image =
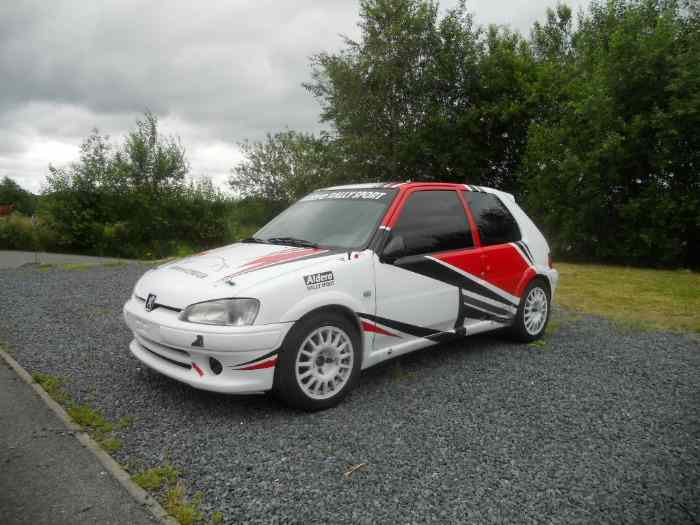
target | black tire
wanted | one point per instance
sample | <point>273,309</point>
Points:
<point>287,387</point>
<point>518,330</point>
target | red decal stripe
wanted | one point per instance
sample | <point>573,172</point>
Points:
<point>369,327</point>
<point>197,369</point>
<point>264,364</point>
<point>281,256</point>
<point>276,258</point>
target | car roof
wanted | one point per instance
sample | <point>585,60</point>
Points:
<point>405,186</point>
<point>409,185</point>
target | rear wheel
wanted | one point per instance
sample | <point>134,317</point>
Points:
<point>533,312</point>
<point>319,362</point>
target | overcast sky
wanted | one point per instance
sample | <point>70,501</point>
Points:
<point>215,72</point>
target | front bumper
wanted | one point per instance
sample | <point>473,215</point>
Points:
<point>184,351</point>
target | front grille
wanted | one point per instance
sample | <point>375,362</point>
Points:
<point>171,361</point>
<point>161,348</point>
<point>159,305</point>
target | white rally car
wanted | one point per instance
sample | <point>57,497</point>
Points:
<point>343,279</point>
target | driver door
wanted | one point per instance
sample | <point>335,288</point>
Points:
<point>416,294</point>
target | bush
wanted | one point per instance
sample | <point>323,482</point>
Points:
<point>18,233</point>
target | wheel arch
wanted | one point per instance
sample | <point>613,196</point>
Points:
<point>342,309</point>
<point>529,276</point>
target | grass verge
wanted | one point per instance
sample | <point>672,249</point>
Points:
<point>165,481</point>
<point>45,267</point>
<point>89,419</point>
<point>643,298</point>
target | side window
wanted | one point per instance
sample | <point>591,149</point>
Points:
<point>433,221</point>
<point>496,224</point>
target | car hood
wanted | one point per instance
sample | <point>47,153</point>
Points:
<point>223,272</point>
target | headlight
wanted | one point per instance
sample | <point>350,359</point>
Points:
<point>230,312</point>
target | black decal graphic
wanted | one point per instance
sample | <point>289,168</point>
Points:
<point>406,328</point>
<point>476,313</point>
<point>434,270</point>
<point>416,331</point>
<point>319,280</point>
<point>525,251</point>
<point>262,358</point>
<point>199,341</point>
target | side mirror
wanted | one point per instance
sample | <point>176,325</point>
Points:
<point>395,248</point>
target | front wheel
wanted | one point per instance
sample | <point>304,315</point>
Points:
<point>319,362</point>
<point>533,312</point>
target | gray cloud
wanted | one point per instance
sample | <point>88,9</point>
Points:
<point>216,72</point>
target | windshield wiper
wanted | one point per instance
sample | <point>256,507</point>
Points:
<point>292,241</point>
<point>254,239</point>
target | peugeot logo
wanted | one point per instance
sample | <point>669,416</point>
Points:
<point>150,302</point>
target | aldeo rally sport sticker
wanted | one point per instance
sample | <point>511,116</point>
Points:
<point>365,195</point>
<point>319,280</point>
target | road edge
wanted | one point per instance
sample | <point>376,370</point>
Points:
<point>142,497</point>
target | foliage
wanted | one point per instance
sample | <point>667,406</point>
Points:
<point>612,160</point>
<point>12,193</point>
<point>166,481</point>
<point>593,125</point>
<point>52,385</point>
<point>17,232</point>
<point>155,478</point>
<point>284,167</point>
<point>133,200</point>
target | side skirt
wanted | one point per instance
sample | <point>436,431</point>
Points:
<point>406,347</point>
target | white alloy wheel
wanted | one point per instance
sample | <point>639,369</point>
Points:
<point>324,362</point>
<point>535,313</point>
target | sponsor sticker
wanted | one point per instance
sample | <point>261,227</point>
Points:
<point>319,280</point>
<point>354,194</point>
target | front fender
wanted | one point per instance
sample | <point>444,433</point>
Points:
<point>320,300</point>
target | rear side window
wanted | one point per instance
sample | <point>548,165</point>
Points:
<point>496,224</point>
<point>433,221</point>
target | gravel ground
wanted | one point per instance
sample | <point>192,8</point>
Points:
<point>597,425</point>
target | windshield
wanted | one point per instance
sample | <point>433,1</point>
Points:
<point>331,218</point>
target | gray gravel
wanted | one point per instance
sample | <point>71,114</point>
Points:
<point>597,425</point>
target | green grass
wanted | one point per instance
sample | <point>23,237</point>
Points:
<point>89,419</point>
<point>96,424</point>
<point>642,298</point>
<point>44,267</point>
<point>166,481</point>
<point>52,385</point>
<point>156,478</point>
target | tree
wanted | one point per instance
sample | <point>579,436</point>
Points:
<point>133,199</point>
<point>592,123</point>
<point>150,161</point>
<point>612,159</point>
<point>385,96</point>
<point>13,193</point>
<point>284,166</point>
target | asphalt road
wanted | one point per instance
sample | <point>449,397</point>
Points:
<point>46,475</point>
<point>597,425</point>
